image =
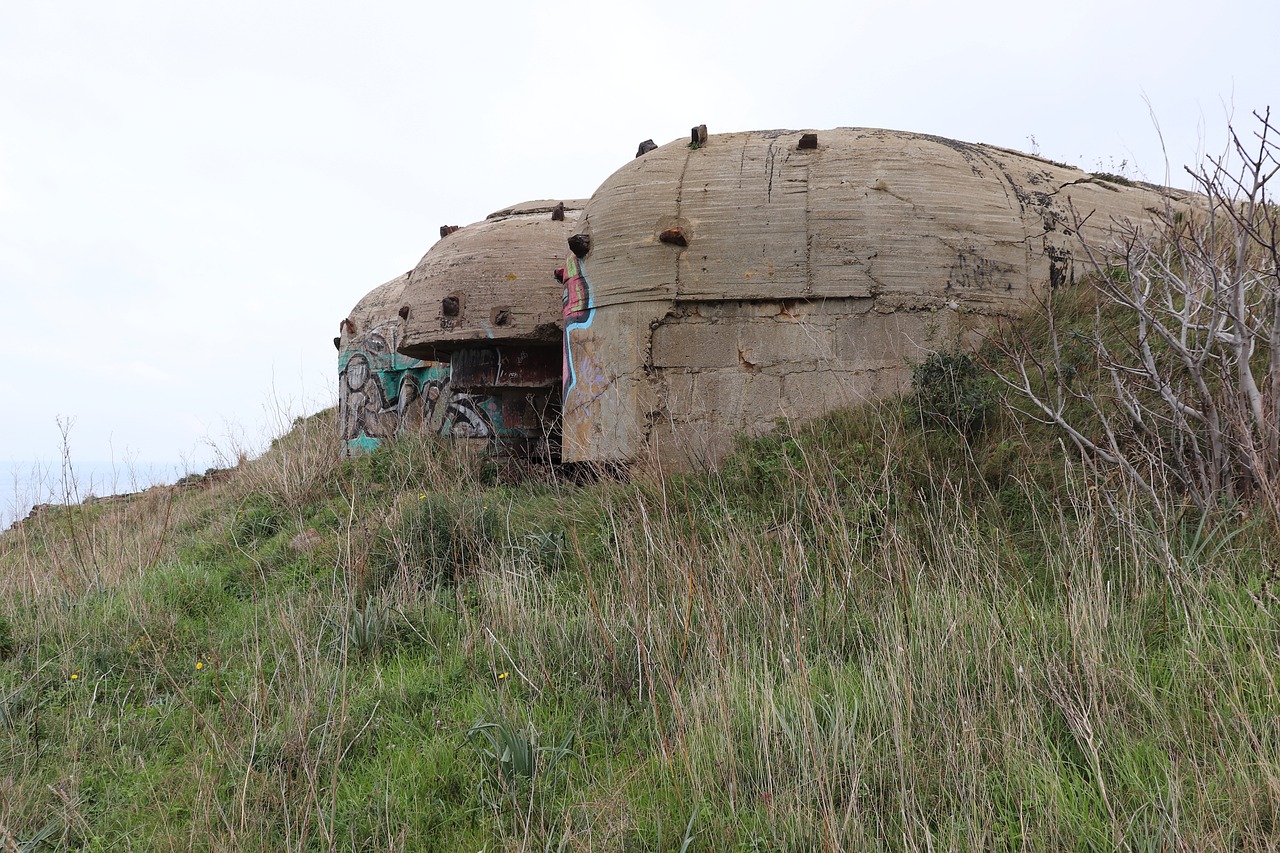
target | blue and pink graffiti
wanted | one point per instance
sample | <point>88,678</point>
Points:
<point>578,311</point>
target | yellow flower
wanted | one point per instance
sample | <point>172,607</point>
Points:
<point>199,664</point>
<point>75,676</point>
<point>422,497</point>
<point>503,675</point>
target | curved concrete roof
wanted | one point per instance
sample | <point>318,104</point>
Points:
<point>866,212</point>
<point>376,307</point>
<point>491,281</point>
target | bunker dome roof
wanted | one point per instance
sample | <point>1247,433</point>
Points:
<point>490,281</point>
<point>378,306</point>
<point>854,212</point>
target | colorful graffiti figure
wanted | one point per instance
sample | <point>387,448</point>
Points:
<point>578,311</point>
<point>382,394</point>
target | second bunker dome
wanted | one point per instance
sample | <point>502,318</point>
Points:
<point>484,300</point>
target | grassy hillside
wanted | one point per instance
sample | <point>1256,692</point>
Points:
<point>865,633</point>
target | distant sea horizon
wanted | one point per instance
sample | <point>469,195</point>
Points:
<point>27,483</point>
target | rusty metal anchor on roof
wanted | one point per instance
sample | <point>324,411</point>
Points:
<point>674,236</point>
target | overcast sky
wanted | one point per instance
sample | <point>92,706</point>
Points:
<point>192,196</point>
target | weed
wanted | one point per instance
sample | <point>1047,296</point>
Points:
<point>8,643</point>
<point>511,756</point>
<point>518,775</point>
<point>365,629</point>
<point>950,390</point>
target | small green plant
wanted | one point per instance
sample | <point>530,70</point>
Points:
<point>686,841</point>
<point>512,760</point>
<point>256,521</point>
<point>439,536</point>
<point>363,630</point>
<point>949,389</point>
<point>40,839</point>
<point>366,629</point>
<point>547,550</point>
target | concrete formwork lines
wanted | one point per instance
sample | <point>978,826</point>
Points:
<point>810,156</point>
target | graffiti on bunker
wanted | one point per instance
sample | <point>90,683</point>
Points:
<point>382,394</point>
<point>584,379</point>
<point>578,311</point>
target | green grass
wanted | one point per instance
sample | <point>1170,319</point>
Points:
<point>871,632</point>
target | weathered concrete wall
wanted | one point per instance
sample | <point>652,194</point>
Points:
<point>722,368</point>
<point>750,278</point>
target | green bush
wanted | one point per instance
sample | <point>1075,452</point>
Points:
<point>257,520</point>
<point>8,645</point>
<point>950,390</point>
<point>442,536</point>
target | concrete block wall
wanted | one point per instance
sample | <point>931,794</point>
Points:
<point>737,367</point>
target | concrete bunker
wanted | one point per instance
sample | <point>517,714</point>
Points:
<point>468,342</point>
<point>779,274</point>
<point>715,285</point>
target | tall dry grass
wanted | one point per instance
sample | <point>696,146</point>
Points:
<point>854,635</point>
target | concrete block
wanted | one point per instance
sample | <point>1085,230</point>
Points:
<point>705,409</point>
<point>807,343</point>
<point>722,394</point>
<point>676,390</point>
<point>694,344</point>
<point>803,396</point>
<point>893,340</point>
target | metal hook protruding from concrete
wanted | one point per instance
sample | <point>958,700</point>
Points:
<point>675,237</point>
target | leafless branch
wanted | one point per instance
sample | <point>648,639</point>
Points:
<point>1179,381</point>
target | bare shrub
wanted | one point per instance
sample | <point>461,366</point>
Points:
<point>1176,380</point>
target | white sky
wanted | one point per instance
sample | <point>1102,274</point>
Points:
<point>192,196</point>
